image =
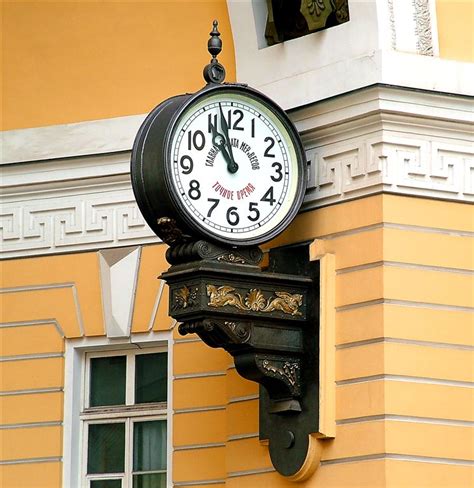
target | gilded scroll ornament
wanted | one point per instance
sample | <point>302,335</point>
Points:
<point>231,258</point>
<point>289,371</point>
<point>184,298</point>
<point>254,300</point>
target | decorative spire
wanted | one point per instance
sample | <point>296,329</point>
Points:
<point>214,72</point>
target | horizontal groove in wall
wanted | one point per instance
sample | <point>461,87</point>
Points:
<point>30,323</point>
<point>199,409</point>
<point>235,474</point>
<point>187,341</point>
<point>25,357</point>
<point>30,425</point>
<point>186,376</point>
<point>199,483</point>
<point>246,398</point>
<point>31,391</point>
<point>406,418</point>
<point>32,461</point>
<point>399,457</point>
<point>240,437</point>
<point>16,289</point>
<point>404,265</point>
<point>391,225</point>
<point>432,230</point>
<point>350,232</point>
<point>404,303</point>
<point>406,379</point>
<point>394,340</point>
<point>191,447</point>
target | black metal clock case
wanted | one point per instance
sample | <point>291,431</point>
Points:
<point>151,169</point>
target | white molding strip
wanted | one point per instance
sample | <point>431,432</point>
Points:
<point>71,140</point>
<point>399,457</point>
<point>407,419</point>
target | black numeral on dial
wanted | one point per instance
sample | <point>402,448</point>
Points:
<point>253,208</point>
<point>279,174</point>
<point>232,216</point>
<point>194,192</point>
<point>267,152</point>
<point>268,197</point>
<point>215,202</point>
<point>186,164</point>
<point>240,116</point>
<point>196,140</point>
<point>211,122</point>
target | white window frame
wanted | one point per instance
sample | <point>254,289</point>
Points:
<point>129,413</point>
<point>77,355</point>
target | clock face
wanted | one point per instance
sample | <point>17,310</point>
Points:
<point>234,167</point>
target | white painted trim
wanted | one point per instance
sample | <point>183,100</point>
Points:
<point>74,397</point>
<point>406,379</point>
<point>399,457</point>
<point>406,418</point>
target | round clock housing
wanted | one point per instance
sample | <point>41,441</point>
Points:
<point>226,164</point>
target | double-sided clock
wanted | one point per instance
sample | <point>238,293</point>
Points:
<point>225,164</point>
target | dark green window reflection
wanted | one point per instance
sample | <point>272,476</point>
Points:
<point>149,446</point>
<point>106,484</point>
<point>155,480</point>
<point>107,380</point>
<point>151,377</point>
<point>106,448</point>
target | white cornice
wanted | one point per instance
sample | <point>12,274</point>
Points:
<point>70,140</point>
<point>379,139</point>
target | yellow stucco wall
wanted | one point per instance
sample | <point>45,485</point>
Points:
<point>456,29</point>
<point>69,61</point>
<point>402,327</point>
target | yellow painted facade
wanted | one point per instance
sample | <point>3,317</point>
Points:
<point>402,281</point>
<point>401,360</point>
<point>122,57</point>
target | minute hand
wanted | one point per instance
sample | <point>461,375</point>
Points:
<point>233,167</point>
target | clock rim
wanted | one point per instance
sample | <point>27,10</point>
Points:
<point>280,114</point>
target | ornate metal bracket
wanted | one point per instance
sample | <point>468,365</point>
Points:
<point>267,320</point>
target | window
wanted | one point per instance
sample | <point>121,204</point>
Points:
<point>124,420</point>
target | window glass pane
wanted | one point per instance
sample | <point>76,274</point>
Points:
<point>150,377</point>
<point>106,484</point>
<point>106,450</point>
<point>149,446</point>
<point>107,381</point>
<point>156,480</point>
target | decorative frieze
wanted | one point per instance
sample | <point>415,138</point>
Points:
<point>374,140</point>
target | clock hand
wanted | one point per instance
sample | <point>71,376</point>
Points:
<point>219,141</point>
<point>225,129</point>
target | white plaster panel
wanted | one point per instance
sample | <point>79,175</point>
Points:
<point>382,43</point>
<point>118,276</point>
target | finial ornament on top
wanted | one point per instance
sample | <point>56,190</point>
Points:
<point>214,72</point>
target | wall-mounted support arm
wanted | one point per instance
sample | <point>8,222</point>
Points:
<point>268,321</point>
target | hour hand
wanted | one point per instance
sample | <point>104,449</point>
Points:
<point>220,141</point>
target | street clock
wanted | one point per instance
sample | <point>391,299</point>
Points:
<point>224,164</point>
<point>216,173</point>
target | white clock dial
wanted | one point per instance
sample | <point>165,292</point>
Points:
<point>233,166</point>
